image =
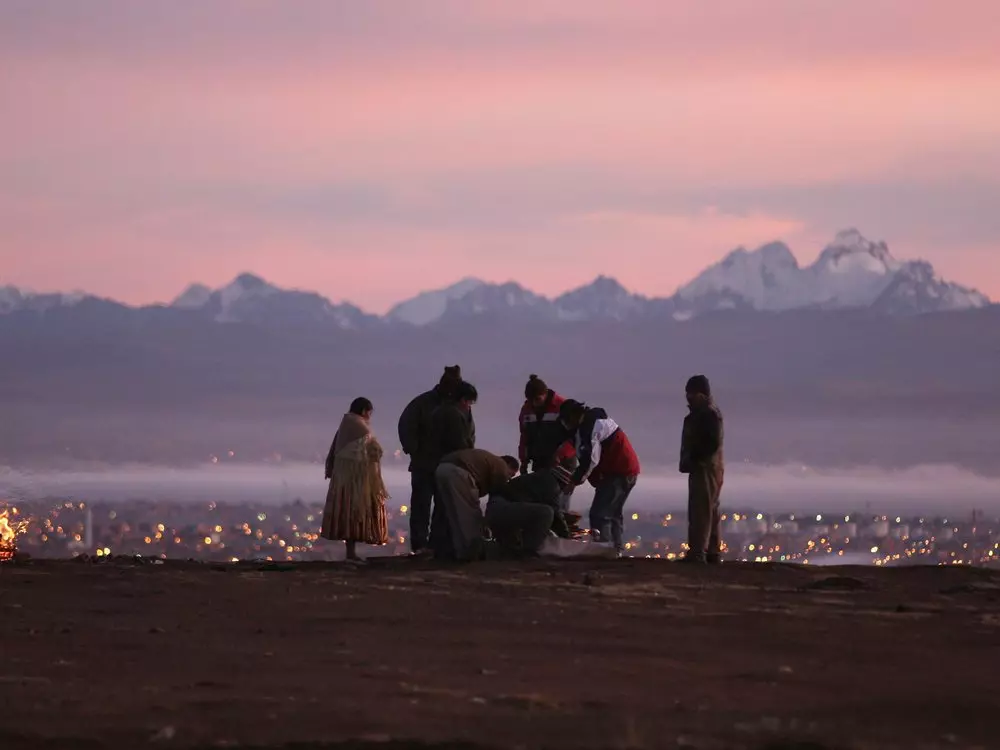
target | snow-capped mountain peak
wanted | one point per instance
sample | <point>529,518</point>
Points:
<point>851,271</point>
<point>604,297</point>
<point>194,297</point>
<point>10,298</point>
<point>851,252</point>
<point>249,298</point>
<point>240,292</point>
<point>498,299</point>
<point>916,289</point>
<point>766,278</point>
<point>13,299</point>
<point>429,306</point>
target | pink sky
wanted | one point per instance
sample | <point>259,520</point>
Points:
<point>372,150</point>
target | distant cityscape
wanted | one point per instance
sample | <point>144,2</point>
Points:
<point>232,532</point>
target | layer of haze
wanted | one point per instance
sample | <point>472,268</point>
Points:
<point>929,489</point>
<point>369,150</point>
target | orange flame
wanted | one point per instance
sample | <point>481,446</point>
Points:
<point>10,527</point>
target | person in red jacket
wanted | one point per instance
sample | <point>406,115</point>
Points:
<point>541,431</point>
<point>608,460</point>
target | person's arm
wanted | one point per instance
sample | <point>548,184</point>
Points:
<point>522,446</point>
<point>374,449</point>
<point>409,427</point>
<point>330,456</point>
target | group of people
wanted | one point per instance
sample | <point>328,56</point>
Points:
<point>564,443</point>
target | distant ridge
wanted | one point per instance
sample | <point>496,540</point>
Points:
<point>851,272</point>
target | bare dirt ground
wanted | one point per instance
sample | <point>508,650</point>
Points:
<point>630,654</point>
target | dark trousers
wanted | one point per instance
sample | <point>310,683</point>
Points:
<point>421,498</point>
<point>704,489</point>
<point>519,528</point>
<point>606,512</point>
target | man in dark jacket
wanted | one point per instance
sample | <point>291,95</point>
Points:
<point>523,512</point>
<point>452,429</point>
<point>414,437</point>
<point>541,431</point>
<point>702,460</point>
<point>606,457</point>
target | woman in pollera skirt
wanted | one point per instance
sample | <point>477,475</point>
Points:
<point>355,502</point>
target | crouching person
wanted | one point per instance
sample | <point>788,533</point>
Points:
<point>462,478</point>
<point>523,512</point>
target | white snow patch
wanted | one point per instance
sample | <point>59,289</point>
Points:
<point>194,297</point>
<point>427,307</point>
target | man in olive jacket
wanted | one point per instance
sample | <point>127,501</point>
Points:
<point>702,460</point>
<point>462,478</point>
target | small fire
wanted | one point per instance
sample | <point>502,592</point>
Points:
<point>10,527</point>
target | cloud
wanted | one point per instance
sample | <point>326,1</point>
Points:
<point>427,137</point>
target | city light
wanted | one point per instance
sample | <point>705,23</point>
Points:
<point>223,532</point>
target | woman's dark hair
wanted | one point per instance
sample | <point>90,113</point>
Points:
<point>360,405</point>
<point>467,392</point>
<point>534,388</point>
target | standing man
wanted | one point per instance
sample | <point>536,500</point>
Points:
<point>452,429</point>
<point>606,457</point>
<point>414,437</point>
<point>541,431</point>
<point>702,460</point>
<point>462,478</point>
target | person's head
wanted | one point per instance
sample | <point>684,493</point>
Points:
<point>466,394</point>
<point>450,379</point>
<point>535,391</point>
<point>362,407</point>
<point>698,390</point>
<point>571,413</point>
<point>512,465</point>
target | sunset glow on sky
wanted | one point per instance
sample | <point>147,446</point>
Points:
<point>369,150</point>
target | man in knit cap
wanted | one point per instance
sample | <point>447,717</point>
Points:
<point>415,438</point>
<point>702,460</point>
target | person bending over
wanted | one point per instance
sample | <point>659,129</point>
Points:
<point>608,460</point>
<point>461,479</point>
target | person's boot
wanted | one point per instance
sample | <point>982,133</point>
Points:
<point>713,559</point>
<point>692,559</point>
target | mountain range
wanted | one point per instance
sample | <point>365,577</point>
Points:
<point>856,359</point>
<point>851,272</point>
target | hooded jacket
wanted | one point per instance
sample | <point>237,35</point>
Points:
<point>603,449</point>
